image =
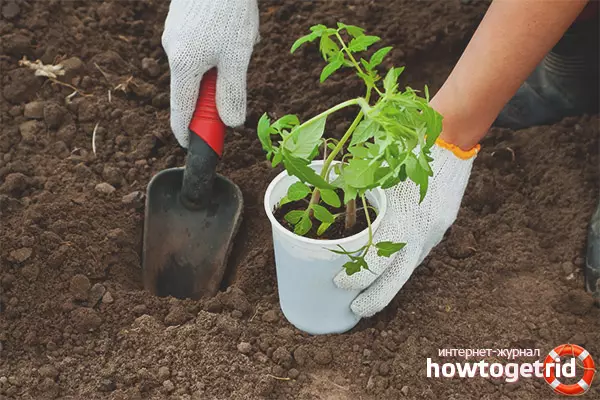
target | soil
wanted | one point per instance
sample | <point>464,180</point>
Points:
<point>337,230</point>
<point>75,322</point>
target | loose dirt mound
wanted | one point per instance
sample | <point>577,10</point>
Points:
<point>74,320</point>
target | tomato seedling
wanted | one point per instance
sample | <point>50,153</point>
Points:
<point>388,142</point>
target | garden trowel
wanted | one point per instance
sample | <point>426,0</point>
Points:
<point>192,213</point>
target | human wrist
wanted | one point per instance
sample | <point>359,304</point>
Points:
<point>459,129</point>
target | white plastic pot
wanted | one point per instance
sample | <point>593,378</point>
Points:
<point>306,267</point>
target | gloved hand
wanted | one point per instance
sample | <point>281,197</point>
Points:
<point>420,226</point>
<point>200,35</point>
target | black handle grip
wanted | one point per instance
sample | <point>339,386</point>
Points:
<point>199,174</point>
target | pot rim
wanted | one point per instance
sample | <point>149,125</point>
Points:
<point>276,225</point>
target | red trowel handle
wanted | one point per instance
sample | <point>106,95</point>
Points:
<point>205,148</point>
<point>206,122</point>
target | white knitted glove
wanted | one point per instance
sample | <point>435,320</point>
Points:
<point>200,35</point>
<point>420,226</point>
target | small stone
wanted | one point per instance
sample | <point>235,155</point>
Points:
<point>72,66</point>
<point>177,316</point>
<point>107,385</point>
<point>140,309</point>
<point>11,10</point>
<point>270,316</point>
<point>79,287</point>
<point>293,373</point>
<point>151,67</point>
<point>48,371</point>
<point>7,281</point>
<point>261,357</point>
<point>86,111</point>
<point>112,175</point>
<point>15,184</point>
<point>53,115</point>
<point>107,298</point>
<point>323,356</point>
<point>30,272</point>
<point>168,385</point>
<point>161,100</point>
<point>85,319</point>
<point>228,326</point>
<point>285,333</point>
<point>213,306</point>
<point>164,373</point>
<point>567,267</point>
<point>301,355</point>
<point>21,254</point>
<point>461,242</point>
<point>134,199</point>
<point>34,110</point>
<point>237,314</point>
<point>282,357</point>
<point>244,348</point>
<point>105,188</point>
<point>30,130</point>
<point>96,293</point>
<point>404,390</point>
<point>367,353</point>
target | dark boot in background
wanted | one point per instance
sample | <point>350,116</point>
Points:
<point>564,84</point>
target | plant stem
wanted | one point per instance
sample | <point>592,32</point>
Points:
<point>350,214</point>
<point>338,107</point>
<point>343,140</point>
<point>364,201</point>
<point>353,60</point>
<point>314,199</point>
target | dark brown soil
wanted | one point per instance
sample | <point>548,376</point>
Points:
<point>337,230</point>
<point>75,322</point>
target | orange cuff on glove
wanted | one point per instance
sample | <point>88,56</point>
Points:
<point>457,151</point>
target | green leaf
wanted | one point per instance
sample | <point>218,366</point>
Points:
<point>364,131</point>
<point>330,69</point>
<point>359,151</point>
<point>277,158</point>
<point>294,216</point>
<point>362,43</point>
<point>298,191</point>
<point>305,138</point>
<point>286,122</point>
<point>322,228</point>
<point>354,31</point>
<point>304,39</point>
<point>264,132</point>
<point>323,214</point>
<point>330,197</point>
<point>318,29</point>
<point>360,173</point>
<point>303,226</point>
<point>378,56</point>
<point>299,168</point>
<point>390,82</point>
<point>283,201</point>
<point>352,267</point>
<point>328,47</point>
<point>349,194</point>
<point>365,64</point>
<point>386,249</point>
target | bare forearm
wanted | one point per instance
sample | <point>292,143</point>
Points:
<point>512,39</point>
